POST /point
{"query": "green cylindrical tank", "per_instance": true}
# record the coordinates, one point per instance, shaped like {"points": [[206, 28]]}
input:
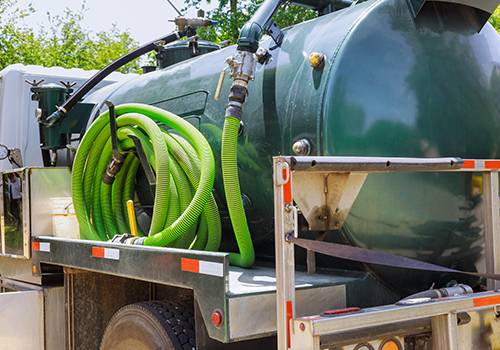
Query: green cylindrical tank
{"points": [[392, 85]]}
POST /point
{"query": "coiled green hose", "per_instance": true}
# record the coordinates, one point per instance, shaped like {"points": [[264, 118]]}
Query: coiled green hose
{"points": [[185, 213]]}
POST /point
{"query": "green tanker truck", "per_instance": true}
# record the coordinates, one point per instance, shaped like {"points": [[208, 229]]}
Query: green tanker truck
{"points": [[273, 193]]}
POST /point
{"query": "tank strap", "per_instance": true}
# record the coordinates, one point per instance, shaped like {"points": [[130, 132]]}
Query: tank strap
{"points": [[375, 257]]}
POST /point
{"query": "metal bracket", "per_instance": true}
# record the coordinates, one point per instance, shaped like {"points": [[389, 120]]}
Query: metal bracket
{"points": [[325, 199], [492, 225], [275, 33], [150, 175], [112, 125], [13, 155]]}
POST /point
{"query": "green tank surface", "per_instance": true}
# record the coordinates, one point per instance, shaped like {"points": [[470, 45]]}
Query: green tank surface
{"points": [[391, 85]]}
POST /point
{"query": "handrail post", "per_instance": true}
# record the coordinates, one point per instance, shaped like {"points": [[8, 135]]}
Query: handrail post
{"points": [[285, 217], [492, 225]]}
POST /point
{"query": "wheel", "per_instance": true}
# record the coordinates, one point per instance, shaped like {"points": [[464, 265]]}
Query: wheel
{"points": [[150, 326]]}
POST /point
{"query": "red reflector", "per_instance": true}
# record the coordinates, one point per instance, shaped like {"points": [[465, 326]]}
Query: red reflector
{"points": [[40, 247], [216, 318], [487, 301], [35, 246], [190, 265], [337, 312], [287, 187]]}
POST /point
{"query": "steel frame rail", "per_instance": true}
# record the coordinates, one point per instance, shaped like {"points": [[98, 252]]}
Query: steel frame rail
{"points": [[206, 273], [305, 332]]}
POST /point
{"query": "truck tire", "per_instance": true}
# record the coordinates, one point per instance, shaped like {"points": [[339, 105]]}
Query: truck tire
{"points": [[150, 326]]}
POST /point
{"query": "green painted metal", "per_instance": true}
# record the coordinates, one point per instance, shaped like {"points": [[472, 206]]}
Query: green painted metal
{"points": [[49, 96], [393, 85]]}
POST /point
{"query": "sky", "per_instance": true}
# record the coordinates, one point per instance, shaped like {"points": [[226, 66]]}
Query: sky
{"points": [[146, 20]]}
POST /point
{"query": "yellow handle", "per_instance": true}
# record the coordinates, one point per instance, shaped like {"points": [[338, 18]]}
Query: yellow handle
{"points": [[131, 217]]}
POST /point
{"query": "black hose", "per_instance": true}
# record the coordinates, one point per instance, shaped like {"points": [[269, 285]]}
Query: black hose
{"points": [[99, 76]]}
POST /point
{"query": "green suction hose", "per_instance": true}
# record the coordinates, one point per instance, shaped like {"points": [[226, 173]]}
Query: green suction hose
{"points": [[185, 213], [229, 159]]}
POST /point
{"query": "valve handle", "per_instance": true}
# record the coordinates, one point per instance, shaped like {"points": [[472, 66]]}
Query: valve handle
{"points": [[220, 82]]}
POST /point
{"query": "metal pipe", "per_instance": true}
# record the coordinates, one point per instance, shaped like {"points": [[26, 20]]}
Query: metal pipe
{"points": [[253, 30], [99, 76], [373, 164], [459, 289]]}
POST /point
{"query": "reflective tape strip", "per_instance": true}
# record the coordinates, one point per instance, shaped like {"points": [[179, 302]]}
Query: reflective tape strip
{"points": [[190, 265], [487, 301], [479, 164], [284, 179], [40, 247], [106, 253], [289, 315], [203, 267], [492, 164], [287, 186]]}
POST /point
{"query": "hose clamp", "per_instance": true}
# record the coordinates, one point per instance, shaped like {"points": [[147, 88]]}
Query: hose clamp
{"points": [[113, 168]]}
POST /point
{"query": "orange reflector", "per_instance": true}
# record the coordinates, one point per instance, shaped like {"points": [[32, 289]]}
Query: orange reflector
{"points": [[469, 164], [190, 265], [492, 164], [487, 301], [98, 252], [289, 315], [391, 344]]}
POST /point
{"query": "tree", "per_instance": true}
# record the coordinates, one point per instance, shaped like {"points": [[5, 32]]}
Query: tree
{"points": [[231, 15], [495, 19], [64, 43]]}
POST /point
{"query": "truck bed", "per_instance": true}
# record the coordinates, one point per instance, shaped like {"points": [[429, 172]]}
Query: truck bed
{"points": [[247, 296]]}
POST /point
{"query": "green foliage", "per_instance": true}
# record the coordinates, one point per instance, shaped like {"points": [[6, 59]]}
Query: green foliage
{"points": [[495, 19], [64, 43], [232, 15]]}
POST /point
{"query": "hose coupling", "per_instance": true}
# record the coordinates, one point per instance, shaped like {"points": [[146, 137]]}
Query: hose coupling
{"points": [[432, 294], [459, 289], [237, 97], [234, 110], [242, 66], [55, 117], [138, 240], [113, 168], [120, 238], [128, 239], [238, 93]]}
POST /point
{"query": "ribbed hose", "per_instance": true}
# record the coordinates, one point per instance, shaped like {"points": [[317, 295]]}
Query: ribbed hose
{"points": [[185, 213], [229, 159]]}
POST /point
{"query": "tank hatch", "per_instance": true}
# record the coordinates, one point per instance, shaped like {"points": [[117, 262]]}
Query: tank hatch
{"points": [[182, 50]]}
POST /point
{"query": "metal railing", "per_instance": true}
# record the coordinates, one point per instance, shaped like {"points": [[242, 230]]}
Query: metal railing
{"points": [[305, 333]]}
